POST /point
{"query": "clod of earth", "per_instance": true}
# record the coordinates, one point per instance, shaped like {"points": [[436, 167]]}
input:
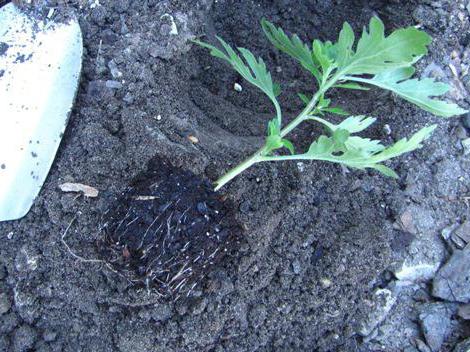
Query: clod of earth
{"points": [[168, 230]]}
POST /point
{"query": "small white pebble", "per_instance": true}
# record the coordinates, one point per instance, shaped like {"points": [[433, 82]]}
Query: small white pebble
{"points": [[159, 117], [301, 166], [387, 129], [237, 87]]}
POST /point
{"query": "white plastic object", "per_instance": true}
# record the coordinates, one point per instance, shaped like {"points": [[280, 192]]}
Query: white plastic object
{"points": [[40, 64]]}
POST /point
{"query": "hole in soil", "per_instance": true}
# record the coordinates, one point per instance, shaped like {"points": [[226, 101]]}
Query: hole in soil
{"points": [[168, 230]]}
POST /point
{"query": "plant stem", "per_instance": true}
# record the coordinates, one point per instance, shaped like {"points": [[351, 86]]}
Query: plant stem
{"points": [[259, 155]]}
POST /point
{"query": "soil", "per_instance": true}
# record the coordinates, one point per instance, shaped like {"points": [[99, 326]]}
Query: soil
{"points": [[316, 238]]}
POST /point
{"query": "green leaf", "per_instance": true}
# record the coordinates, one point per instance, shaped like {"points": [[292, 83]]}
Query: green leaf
{"points": [[376, 53], [385, 170], [292, 46], [364, 146], [337, 111], [254, 71], [305, 99], [364, 153], [288, 144], [351, 85], [352, 124], [339, 137], [321, 58], [417, 91], [345, 45], [277, 89], [405, 145]]}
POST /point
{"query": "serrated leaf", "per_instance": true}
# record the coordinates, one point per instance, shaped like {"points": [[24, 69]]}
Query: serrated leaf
{"points": [[288, 144], [305, 99], [404, 145], [292, 46], [376, 52], [352, 124], [322, 146], [345, 45], [277, 89], [385, 170], [364, 153], [339, 137], [417, 91], [254, 71], [321, 57], [337, 111], [351, 85]]}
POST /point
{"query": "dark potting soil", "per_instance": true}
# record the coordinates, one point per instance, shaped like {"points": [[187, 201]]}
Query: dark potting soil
{"points": [[316, 238], [168, 230]]}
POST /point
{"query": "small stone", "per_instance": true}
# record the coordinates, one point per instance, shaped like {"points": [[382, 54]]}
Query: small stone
{"points": [[466, 146], [463, 346], [425, 255], [387, 129], [199, 306], [193, 139], [114, 69], [237, 87], [24, 338], [464, 312], [49, 336], [421, 346], [435, 323], [161, 312], [296, 267], [128, 98], [466, 120], [5, 303], [461, 236], [325, 283], [421, 296], [202, 208], [461, 132], [113, 84], [384, 301], [452, 281]]}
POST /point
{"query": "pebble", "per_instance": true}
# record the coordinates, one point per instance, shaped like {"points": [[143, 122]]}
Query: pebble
{"points": [[461, 236], [463, 346], [296, 267], [466, 146], [128, 98], [237, 87], [435, 324], [5, 303], [161, 312], [461, 132], [464, 312], [113, 84], [466, 120], [49, 336], [452, 281], [24, 338], [114, 69], [384, 301]]}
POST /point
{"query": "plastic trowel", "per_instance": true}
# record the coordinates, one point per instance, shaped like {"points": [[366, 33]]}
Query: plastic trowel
{"points": [[40, 64]]}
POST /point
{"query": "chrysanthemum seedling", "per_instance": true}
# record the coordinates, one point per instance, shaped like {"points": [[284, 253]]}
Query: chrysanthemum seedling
{"points": [[378, 60]]}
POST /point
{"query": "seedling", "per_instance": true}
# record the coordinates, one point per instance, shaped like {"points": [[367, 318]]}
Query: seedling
{"points": [[376, 60]]}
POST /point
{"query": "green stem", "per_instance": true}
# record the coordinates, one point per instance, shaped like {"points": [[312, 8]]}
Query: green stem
{"points": [[259, 155]]}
